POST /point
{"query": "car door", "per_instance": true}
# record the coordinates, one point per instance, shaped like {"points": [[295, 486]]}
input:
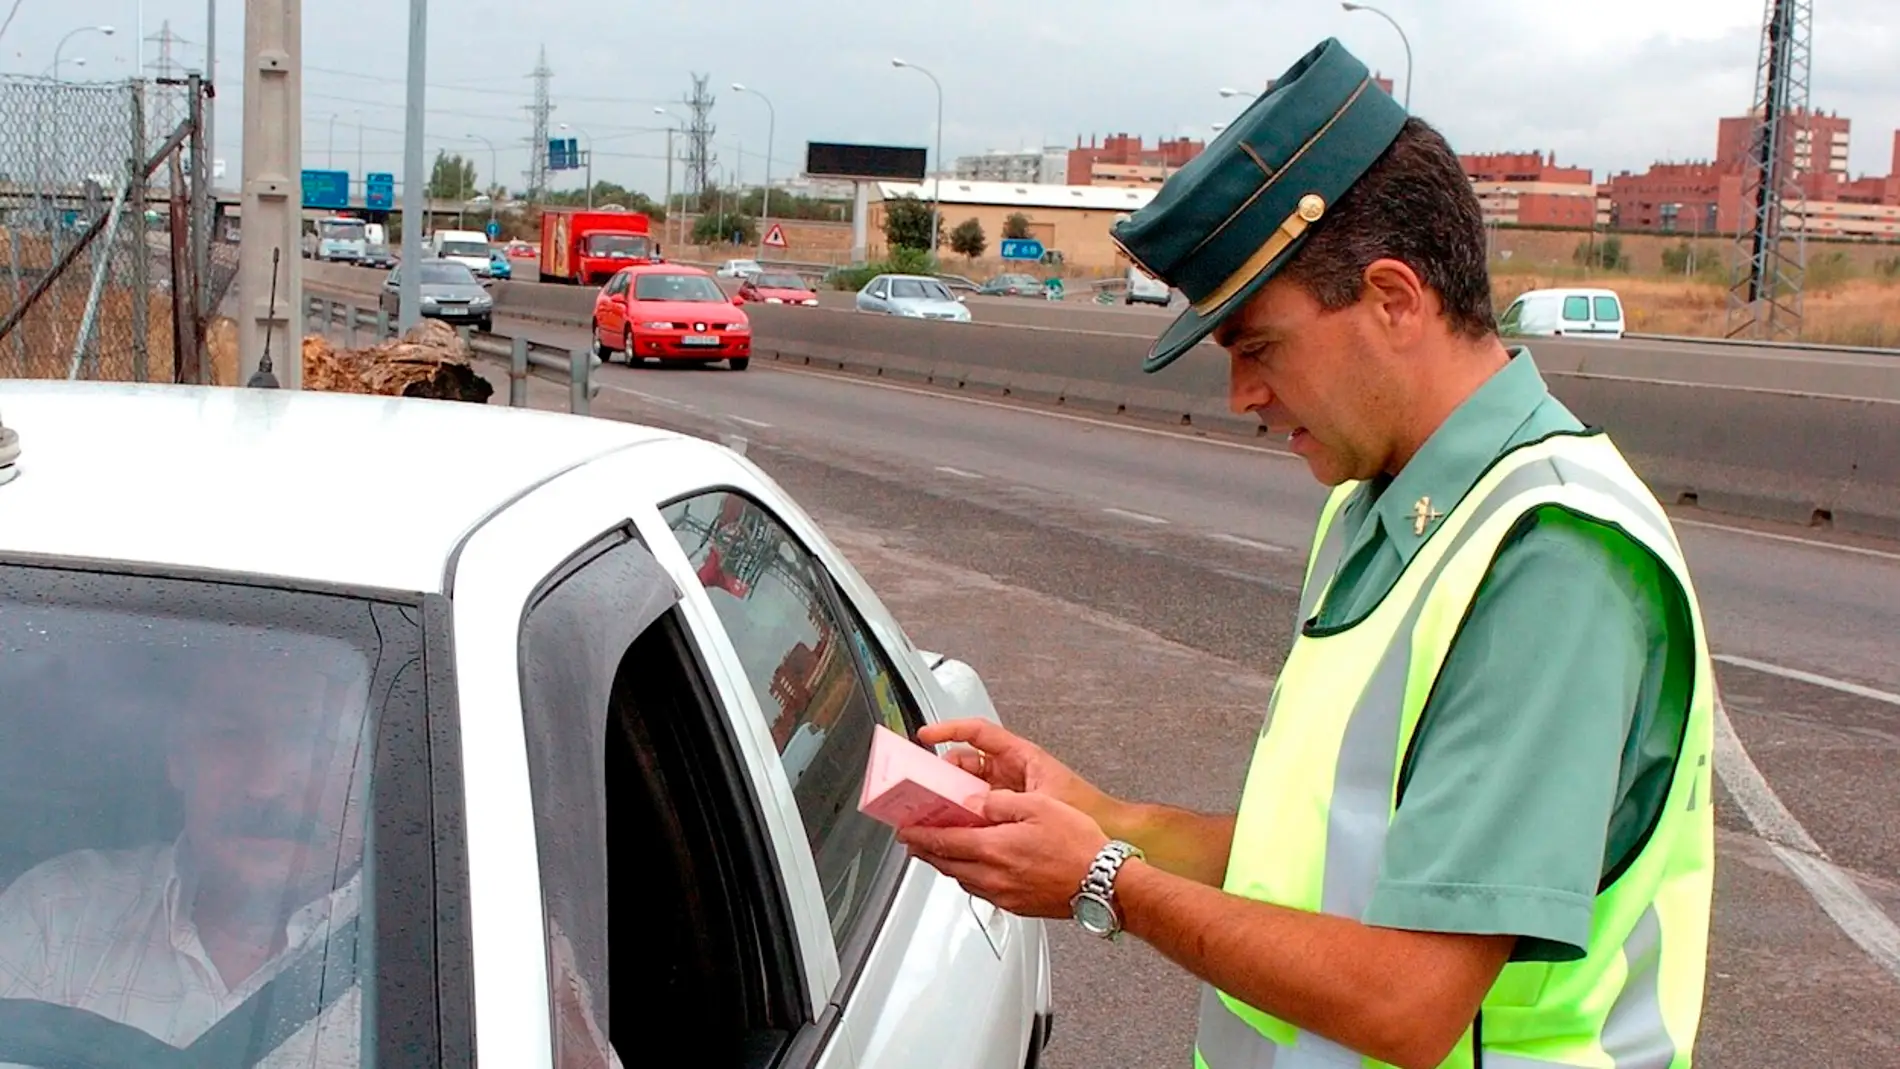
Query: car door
{"points": [[551, 600], [390, 299], [928, 976], [610, 310], [875, 297]]}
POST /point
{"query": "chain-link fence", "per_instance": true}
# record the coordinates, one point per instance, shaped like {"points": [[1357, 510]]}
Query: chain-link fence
{"points": [[109, 262]]}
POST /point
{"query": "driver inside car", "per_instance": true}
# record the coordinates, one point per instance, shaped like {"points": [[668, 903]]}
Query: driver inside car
{"points": [[269, 753]]}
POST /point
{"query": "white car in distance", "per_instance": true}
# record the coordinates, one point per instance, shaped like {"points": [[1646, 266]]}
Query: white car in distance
{"points": [[739, 269], [540, 697]]}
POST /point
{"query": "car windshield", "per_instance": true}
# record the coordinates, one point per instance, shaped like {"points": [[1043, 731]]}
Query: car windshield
{"points": [[779, 282], [464, 248], [446, 273], [920, 290], [343, 231], [187, 772], [619, 246], [665, 287]]}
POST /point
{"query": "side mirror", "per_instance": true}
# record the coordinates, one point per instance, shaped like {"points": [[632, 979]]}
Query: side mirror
{"points": [[488, 283], [960, 299], [738, 300]]}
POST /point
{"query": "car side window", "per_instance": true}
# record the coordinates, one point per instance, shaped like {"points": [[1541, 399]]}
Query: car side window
{"points": [[1607, 309], [1512, 317], [1577, 309], [801, 651]]}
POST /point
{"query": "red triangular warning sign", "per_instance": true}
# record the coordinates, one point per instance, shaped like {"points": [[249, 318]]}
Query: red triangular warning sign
{"points": [[775, 236]]}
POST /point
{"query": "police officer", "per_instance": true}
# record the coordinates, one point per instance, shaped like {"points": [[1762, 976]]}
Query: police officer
{"points": [[1476, 830]]}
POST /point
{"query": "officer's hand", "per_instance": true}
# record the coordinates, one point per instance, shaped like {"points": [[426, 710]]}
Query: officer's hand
{"points": [[1009, 762], [1030, 861]]}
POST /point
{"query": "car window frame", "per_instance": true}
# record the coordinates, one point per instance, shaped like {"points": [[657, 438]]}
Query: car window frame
{"points": [[1563, 311], [854, 948], [1597, 305]]}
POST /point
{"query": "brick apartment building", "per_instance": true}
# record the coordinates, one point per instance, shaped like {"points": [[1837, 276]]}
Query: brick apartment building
{"points": [[1121, 160], [1705, 197], [1531, 189]]}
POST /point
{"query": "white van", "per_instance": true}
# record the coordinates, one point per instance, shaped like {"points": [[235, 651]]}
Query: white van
{"points": [[1146, 288], [466, 247], [1564, 313]]}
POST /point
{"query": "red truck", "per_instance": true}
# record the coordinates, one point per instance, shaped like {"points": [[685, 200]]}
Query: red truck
{"points": [[585, 248]]}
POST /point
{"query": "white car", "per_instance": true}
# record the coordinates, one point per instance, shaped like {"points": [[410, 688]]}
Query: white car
{"points": [[508, 726], [1570, 312], [739, 269], [912, 297]]}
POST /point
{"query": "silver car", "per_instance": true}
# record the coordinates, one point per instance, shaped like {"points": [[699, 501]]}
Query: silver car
{"points": [[556, 746], [912, 296], [450, 292]]}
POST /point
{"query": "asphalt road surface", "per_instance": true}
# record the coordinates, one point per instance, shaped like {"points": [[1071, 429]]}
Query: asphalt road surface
{"points": [[1129, 592]]}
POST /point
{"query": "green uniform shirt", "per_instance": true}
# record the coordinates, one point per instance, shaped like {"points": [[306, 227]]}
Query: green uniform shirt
{"points": [[1545, 750]]}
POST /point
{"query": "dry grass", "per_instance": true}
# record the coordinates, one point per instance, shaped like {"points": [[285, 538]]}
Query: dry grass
{"points": [[1857, 312]]}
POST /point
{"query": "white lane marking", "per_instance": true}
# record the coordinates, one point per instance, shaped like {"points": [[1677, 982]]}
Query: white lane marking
{"points": [[1814, 543], [1800, 676], [653, 398], [750, 422], [1070, 416], [1248, 543], [958, 472], [1138, 517], [1857, 915]]}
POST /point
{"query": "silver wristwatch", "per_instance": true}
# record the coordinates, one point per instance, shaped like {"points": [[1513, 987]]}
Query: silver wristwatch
{"points": [[1094, 905]]}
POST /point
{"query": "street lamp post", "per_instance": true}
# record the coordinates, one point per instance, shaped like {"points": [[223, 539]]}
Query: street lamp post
{"points": [[590, 160], [1349, 6], [107, 30], [494, 169], [935, 182], [771, 130]]}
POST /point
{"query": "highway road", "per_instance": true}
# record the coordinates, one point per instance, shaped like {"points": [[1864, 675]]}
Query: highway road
{"points": [[1128, 593], [1873, 375]]}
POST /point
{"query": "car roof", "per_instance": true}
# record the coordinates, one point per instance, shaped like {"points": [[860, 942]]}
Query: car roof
{"points": [[916, 278], [665, 269], [1569, 291], [297, 484]]}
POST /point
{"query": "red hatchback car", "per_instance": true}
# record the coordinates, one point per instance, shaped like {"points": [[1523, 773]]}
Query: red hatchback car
{"points": [[776, 287], [669, 312]]}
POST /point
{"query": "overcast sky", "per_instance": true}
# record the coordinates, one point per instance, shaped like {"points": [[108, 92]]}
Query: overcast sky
{"points": [[1606, 84]]}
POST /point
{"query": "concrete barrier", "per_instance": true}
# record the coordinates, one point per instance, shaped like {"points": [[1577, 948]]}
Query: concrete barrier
{"points": [[1798, 457]]}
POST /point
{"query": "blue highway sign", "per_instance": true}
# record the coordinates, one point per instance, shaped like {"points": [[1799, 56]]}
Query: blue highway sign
{"points": [[1022, 249], [326, 189]]}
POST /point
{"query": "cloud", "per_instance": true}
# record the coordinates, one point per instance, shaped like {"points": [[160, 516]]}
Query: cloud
{"points": [[1613, 85]]}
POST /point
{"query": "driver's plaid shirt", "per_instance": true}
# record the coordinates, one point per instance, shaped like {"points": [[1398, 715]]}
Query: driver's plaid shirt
{"points": [[108, 932]]}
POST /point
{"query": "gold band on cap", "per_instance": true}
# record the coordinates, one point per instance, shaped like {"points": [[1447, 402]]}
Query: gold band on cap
{"points": [[1311, 207]]}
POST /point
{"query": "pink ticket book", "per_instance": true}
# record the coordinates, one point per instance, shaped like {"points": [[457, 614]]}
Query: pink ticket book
{"points": [[906, 785]]}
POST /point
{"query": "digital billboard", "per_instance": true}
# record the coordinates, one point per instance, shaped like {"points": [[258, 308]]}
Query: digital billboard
{"points": [[889, 163]]}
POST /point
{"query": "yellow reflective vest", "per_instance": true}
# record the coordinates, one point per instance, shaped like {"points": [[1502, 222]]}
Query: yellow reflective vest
{"points": [[1323, 787]]}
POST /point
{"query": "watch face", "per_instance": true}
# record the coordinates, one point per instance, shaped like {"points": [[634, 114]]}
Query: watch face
{"points": [[1093, 914]]}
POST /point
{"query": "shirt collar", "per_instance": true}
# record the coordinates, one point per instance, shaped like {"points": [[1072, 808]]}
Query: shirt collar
{"points": [[181, 882], [1457, 454]]}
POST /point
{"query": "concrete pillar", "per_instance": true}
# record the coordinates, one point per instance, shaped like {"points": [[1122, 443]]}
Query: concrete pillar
{"points": [[272, 184]]}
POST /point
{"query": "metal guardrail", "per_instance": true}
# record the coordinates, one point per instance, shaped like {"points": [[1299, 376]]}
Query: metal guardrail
{"points": [[1748, 343], [525, 356]]}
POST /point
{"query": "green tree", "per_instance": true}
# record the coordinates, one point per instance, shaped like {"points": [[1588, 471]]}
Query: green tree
{"points": [[1016, 226], [968, 240], [907, 223], [712, 228], [452, 178]]}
